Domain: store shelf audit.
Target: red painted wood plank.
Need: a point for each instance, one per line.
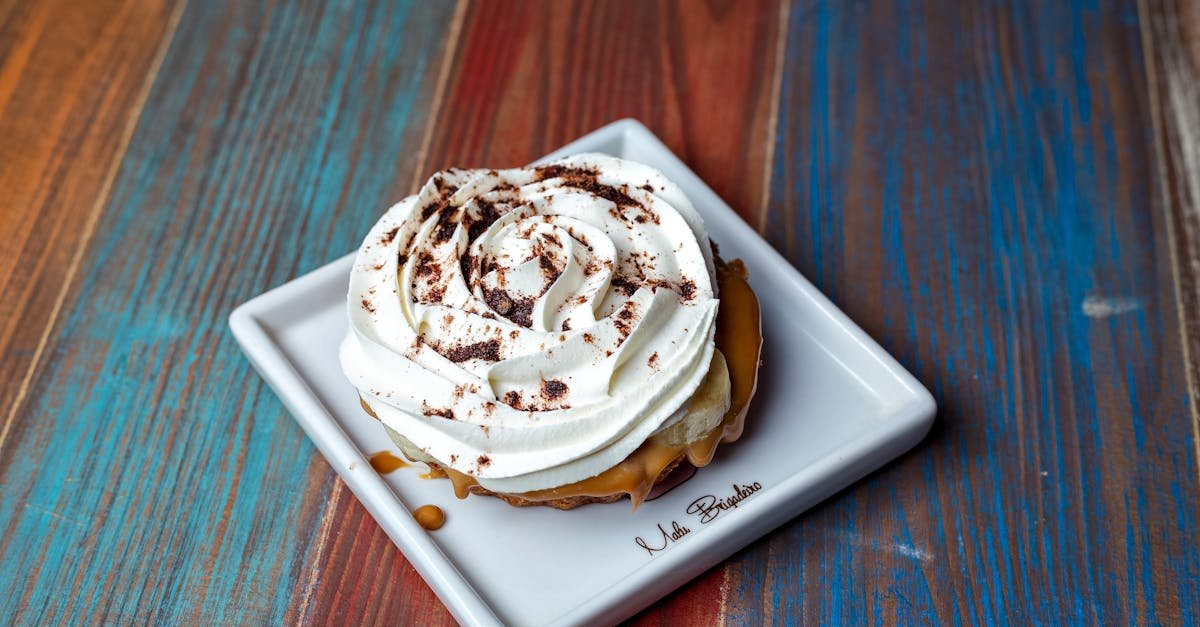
(525, 78)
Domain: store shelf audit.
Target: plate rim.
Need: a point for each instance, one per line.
(906, 425)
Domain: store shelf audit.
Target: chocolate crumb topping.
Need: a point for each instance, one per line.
(426, 266)
(519, 311)
(445, 226)
(512, 398)
(436, 411)
(653, 361)
(566, 325)
(556, 171)
(626, 286)
(387, 237)
(553, 389)
(499, 301)
(483, 461)
(487, 351)
(487, 215)
(687, 289)
(444, 188)
(366, 304)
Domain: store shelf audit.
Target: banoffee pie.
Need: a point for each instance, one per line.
(556, 335)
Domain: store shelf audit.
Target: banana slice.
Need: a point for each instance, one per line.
(707, 407)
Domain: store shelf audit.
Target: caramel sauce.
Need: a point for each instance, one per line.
(384, 462)
(739, 337)
(430, 517)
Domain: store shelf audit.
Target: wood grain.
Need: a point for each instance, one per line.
(1171, 31)
(527, 77)
(72, 79)
(973, 183)
(150, 476)
(1004, 194)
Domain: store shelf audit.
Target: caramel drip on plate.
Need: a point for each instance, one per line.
(430, 517)
(739, 337)
(384, 462)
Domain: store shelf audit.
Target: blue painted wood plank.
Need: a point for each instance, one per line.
(973, 183)
(152, 476)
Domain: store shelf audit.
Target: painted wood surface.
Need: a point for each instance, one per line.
(1004, 194)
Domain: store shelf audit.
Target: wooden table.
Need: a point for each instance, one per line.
(1006, 195)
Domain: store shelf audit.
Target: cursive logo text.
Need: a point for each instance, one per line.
(708, 507)
(674, 535)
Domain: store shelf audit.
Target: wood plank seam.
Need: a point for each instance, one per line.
(331, 506)
(322, 541)
(439, 91)
(781, 36)
(93, 218)
(1191, 164)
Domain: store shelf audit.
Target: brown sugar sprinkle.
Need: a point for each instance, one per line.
(436, 411)
(553, 389)
(366, 304)
(487, 351)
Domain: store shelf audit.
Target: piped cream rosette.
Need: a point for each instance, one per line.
(532, 327)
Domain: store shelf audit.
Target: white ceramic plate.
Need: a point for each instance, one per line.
(831, 407)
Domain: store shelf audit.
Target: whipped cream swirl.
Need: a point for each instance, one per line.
(531, 327)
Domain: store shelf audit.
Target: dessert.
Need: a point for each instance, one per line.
(551, 335)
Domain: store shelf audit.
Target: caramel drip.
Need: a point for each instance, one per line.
(739, 337)
(430, 517)
(384, 462)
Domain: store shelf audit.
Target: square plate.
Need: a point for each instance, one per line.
(831, 407)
